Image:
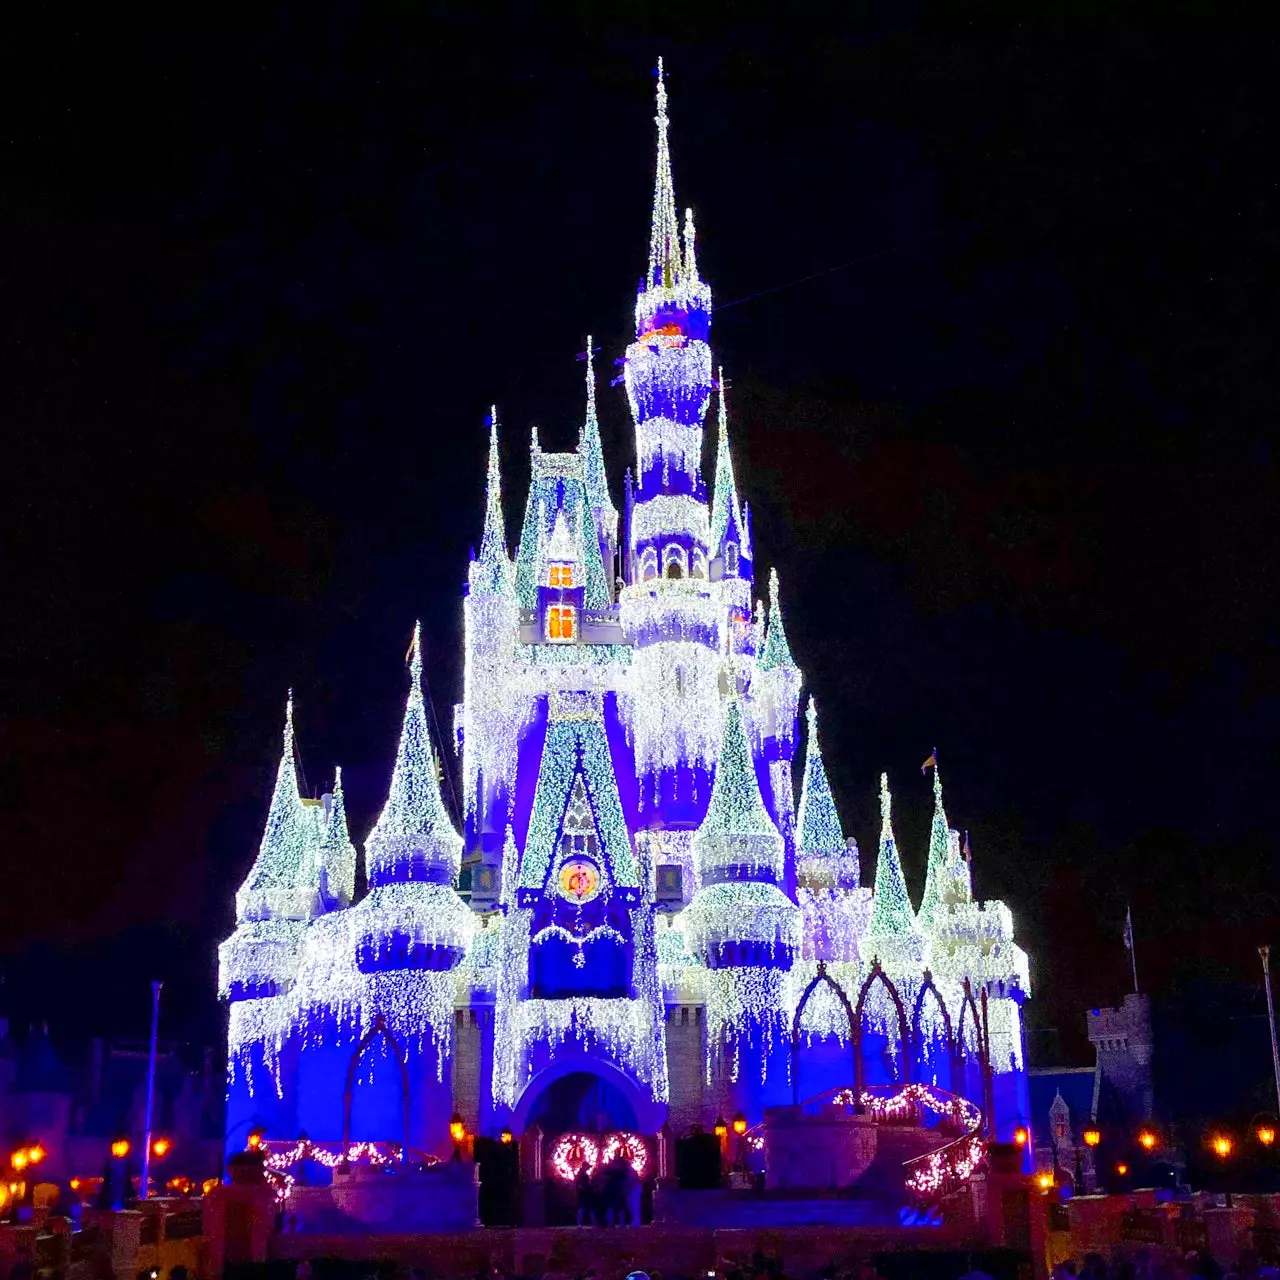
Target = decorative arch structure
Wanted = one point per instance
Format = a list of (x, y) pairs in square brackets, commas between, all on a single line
[(855, 1029), (379, 1028), (877, 974), (650, 1115), (927, 986)]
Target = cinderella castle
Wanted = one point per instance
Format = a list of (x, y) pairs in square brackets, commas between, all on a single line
[(640, 927)]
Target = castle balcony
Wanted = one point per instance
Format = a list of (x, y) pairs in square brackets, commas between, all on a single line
[(594, 626), (659, 609)]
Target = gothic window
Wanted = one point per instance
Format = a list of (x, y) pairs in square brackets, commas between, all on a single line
[(731, 559), (562, 622), (578, 830), (649, 563), (682, 682), (698, 569), (673, 561), (560, 575)]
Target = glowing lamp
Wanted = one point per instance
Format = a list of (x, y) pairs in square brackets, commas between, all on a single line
[(19, 1159), (1122, 1169), (74, 1184), (739, 1124), (210, 1184), (120, 1148), (1265, 1134), (1045, 1181), (1020, 1135), (1147, 1140), (36, 1153), (161, 1147), (457, 1128), (506, 1137), (255, 1139), (1092, 1137), (1222, 1146), (721, 1129)]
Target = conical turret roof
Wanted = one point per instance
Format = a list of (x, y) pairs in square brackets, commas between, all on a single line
[(938, 869), (891, 912), (818, 828), (725, 510), (591, 451), (491, 572), (414, 820), (776, 652), (285, 874)]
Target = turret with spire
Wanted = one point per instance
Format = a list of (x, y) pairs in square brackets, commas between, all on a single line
[(946, 876), (667, 371), (893, 936)]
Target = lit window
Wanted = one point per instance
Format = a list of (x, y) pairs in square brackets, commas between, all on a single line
[(698, 569), (731, 559), (673, 561), (561, 575), (648, 563), (562, 622)]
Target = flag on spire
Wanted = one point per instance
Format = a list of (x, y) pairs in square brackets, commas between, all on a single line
[(664, 239), (938, 868)]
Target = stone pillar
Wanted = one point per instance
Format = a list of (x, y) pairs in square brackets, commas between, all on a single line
[(123, 1231), (238, 1218), (1016, 1212), (1228, 1231), (533, 1191), (666, 1184)]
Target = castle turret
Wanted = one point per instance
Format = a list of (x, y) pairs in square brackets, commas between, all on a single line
[(823, 853), (337, 853), (483, 719), (596, 480), (257, 964), (893, 936), (741, 924), (668, 377)]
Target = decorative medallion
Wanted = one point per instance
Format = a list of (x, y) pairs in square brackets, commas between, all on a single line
[(579, 880)]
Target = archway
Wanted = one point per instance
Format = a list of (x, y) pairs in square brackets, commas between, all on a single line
[(855, 1029), (649, 1115), (877, 974), (380, 1092), (944, 1063)]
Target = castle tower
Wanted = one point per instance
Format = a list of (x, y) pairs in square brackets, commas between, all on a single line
[(258, 963), (670, 612), (741, 924), (491, 612)]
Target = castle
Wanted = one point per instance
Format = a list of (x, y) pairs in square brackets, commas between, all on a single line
[(638, 924)]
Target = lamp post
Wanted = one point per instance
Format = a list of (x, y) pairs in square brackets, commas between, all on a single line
[(1265, 955)]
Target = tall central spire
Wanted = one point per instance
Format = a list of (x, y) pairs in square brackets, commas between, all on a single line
[(664, 240)]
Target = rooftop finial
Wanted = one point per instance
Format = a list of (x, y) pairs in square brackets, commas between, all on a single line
[(724, 498), (591, 451), (415, 656), (664, 240), (494, 568)]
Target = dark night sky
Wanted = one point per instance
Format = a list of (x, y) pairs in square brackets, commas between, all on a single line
[(1012, 448)]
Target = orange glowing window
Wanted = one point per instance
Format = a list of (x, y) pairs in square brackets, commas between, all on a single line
[(562, 621), (560, 575)]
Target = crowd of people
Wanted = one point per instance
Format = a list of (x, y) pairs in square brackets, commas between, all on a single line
[(1151, 1263), (607, 1195)]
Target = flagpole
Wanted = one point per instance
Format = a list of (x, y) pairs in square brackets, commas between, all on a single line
[(1265, 953), (1133, 951)]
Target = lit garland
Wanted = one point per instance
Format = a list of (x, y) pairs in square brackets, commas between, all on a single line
[(575, 1151)]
